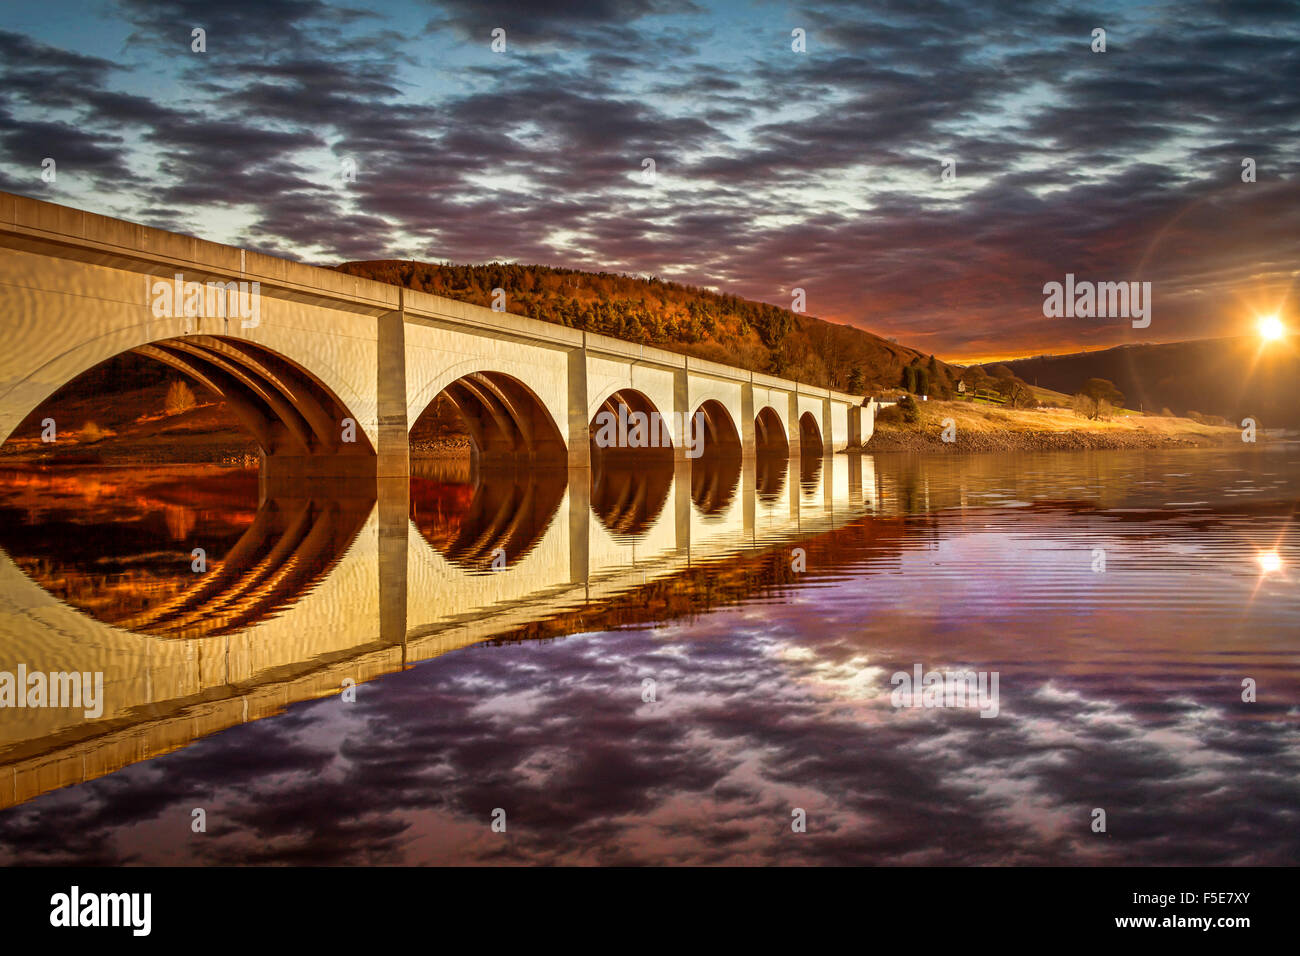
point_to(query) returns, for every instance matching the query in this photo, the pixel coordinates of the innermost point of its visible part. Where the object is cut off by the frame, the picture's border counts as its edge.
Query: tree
(179, 398)
(907, 405)
(940, 384)
(1101, 390)
(1019, 396)
(857, 380)
(1085, 406)
(915, 378)
(975, 378)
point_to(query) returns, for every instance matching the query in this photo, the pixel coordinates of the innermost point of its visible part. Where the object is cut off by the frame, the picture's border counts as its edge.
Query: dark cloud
(775, 169)
(552, 20)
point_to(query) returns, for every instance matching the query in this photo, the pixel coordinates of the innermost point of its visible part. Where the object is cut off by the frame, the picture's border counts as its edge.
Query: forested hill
(676, 317)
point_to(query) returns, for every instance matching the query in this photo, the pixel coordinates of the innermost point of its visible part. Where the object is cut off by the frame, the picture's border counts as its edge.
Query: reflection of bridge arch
(769, 433)
(505, 418)
(502, 517)
(714, 480)
(770, 474)
(627, 497)
(810, 469)
(289, 548)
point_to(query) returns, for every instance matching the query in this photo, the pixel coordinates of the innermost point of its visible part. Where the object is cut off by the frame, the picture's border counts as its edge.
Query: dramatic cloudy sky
(775, 169)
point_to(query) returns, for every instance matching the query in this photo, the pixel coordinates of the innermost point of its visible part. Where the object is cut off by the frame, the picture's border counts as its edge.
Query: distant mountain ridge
(1234, 377)
(680, 318)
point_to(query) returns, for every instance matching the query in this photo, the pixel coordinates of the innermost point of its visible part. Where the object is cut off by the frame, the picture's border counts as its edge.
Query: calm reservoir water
(661, 665)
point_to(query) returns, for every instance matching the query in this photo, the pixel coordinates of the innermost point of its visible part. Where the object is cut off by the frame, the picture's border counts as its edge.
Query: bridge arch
(627, 421)
(810, 433)
(769, 433)
(297, 420)
(59, 336)
(721, 437)
(505, 418)
(286, 409)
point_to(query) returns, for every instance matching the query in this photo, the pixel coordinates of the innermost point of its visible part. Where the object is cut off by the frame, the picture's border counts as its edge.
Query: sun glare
(1271, 328)
(1270, 562)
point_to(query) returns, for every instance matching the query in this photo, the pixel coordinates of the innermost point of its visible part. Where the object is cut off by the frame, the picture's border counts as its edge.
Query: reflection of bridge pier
(681, 499)
(394, 509)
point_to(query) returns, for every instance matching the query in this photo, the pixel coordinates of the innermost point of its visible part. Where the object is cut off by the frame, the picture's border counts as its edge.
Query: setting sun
(1271, 328)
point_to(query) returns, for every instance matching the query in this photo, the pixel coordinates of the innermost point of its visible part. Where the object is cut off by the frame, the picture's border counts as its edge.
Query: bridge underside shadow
(301, 428)
(507, 424)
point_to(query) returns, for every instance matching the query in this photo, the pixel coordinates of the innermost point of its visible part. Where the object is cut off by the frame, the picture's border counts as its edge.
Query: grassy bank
(991, 428)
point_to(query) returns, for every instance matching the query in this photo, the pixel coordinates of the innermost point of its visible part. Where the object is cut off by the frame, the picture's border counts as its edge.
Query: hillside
(990, 428)
(1231, 377)
(679, 318)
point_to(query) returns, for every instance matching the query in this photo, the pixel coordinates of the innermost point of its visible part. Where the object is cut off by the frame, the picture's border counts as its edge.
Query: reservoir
(660, 665)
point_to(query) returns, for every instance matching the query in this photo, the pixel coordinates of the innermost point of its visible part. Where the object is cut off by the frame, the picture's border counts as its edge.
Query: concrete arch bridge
(329, 371)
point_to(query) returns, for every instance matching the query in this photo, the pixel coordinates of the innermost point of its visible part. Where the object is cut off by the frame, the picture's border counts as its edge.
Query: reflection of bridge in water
(329, 587)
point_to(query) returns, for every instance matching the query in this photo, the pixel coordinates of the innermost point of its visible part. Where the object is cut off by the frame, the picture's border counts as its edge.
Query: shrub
(180, 398)
(907, 406)
(1218, 420)
(889, 415)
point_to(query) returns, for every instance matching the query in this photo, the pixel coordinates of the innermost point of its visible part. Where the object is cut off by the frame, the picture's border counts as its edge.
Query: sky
(326, 132)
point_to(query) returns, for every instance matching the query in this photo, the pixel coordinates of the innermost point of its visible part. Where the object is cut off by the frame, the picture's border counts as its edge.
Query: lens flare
(1270, 562)
(1271, 328)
